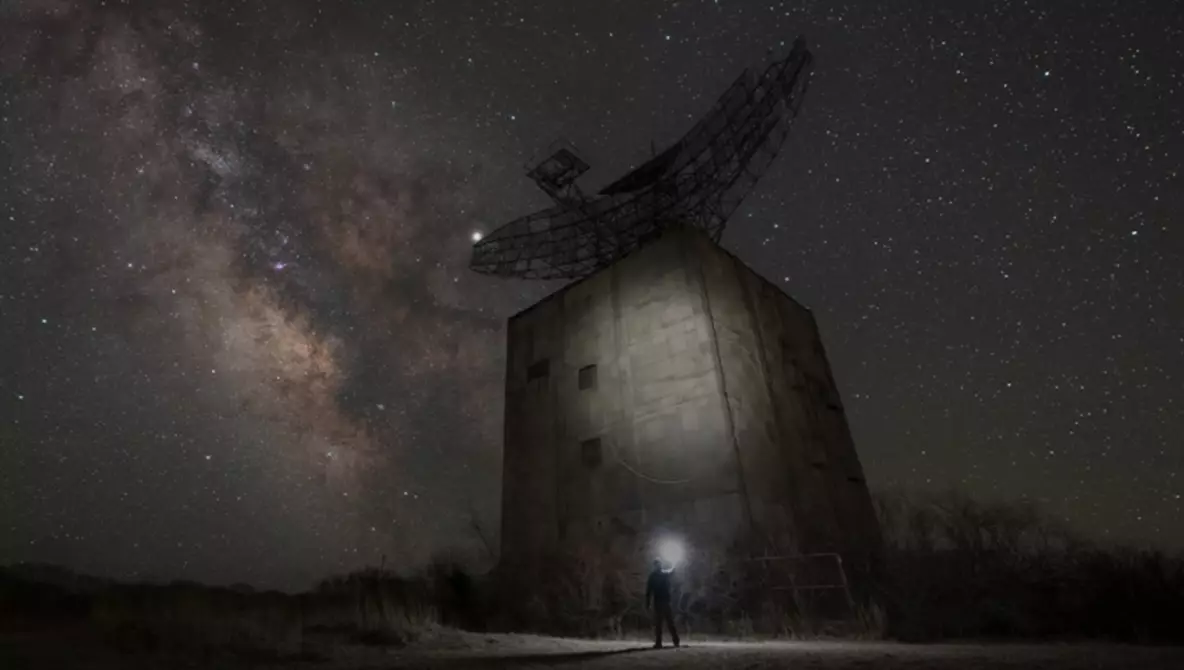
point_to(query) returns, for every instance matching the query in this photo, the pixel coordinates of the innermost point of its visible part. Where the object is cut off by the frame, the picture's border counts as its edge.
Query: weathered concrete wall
(804, 477)
(654, 406)
(705, 407)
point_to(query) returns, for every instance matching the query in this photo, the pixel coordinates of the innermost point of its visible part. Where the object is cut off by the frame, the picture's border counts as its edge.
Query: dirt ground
(528, 651)
(462, 650)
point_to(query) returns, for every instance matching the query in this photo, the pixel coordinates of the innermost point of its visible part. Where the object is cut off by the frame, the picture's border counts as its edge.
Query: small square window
(587, 377)
(538, 369)
(590, 452)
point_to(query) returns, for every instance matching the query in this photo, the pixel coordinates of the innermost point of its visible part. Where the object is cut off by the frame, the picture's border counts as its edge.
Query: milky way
(261, 279)
(239, 342)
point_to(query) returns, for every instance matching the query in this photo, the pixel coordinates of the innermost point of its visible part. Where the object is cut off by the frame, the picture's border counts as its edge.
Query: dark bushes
(956, 567)
(952, 568)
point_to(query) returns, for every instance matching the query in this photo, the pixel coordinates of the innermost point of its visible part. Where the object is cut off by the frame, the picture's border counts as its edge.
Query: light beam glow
(671, 552)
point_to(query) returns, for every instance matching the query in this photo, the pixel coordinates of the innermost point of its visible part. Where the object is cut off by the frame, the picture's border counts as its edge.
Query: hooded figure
(657, 589)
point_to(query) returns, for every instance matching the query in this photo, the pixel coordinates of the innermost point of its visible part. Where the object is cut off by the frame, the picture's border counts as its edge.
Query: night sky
(238, 337)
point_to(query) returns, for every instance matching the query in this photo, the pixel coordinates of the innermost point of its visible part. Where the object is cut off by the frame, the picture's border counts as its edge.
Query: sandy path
(538, 653)
(455, 650)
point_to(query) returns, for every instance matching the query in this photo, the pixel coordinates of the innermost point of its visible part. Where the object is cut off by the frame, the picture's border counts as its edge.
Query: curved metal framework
(698, 182)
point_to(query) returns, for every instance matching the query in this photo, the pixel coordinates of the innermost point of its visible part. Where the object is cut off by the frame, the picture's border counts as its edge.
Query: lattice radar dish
(697, 182)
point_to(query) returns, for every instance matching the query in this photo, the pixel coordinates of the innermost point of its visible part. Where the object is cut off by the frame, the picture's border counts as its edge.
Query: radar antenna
(697, 182)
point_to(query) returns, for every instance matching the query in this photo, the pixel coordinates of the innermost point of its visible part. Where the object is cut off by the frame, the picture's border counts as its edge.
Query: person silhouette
(657, 591)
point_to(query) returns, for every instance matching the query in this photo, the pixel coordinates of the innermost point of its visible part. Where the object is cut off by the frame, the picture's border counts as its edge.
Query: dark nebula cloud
(239, 342)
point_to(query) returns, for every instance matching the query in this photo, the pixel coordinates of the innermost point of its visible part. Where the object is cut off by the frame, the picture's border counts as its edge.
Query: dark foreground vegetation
(954, 568)
(959, 568)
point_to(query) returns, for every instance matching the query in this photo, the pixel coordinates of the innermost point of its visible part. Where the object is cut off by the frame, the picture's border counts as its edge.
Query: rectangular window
(587, 377)
(538, 369)
(590, 452)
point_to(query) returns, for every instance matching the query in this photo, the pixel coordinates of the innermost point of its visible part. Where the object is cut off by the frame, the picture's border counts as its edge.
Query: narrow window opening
(590, 452)
(587, 377)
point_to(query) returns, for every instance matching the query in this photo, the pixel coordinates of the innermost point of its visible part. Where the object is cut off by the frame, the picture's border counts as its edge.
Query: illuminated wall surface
(676, 391)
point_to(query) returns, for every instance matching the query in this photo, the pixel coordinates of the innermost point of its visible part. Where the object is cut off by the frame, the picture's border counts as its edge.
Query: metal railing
(803, 579)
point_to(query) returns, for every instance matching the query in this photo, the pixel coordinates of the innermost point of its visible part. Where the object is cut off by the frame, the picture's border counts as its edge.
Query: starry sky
(239, 340)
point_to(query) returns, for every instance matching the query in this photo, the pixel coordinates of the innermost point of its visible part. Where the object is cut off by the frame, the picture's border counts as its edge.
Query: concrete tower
(676, 392)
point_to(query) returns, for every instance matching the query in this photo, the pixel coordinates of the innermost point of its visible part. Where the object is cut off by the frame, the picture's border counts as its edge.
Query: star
(251, 236)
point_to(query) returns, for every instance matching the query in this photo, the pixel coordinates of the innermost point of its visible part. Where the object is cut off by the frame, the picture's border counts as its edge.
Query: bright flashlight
(671, 552)
(477, 236)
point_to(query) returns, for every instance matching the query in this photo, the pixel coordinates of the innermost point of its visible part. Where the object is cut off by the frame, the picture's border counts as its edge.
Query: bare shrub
(375, 605)
(957, 567)
(191, 618)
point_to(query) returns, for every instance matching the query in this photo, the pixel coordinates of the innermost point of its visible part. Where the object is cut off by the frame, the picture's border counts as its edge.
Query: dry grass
(191, 618)
(376, 606)
(952, 568)
(372, 607)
